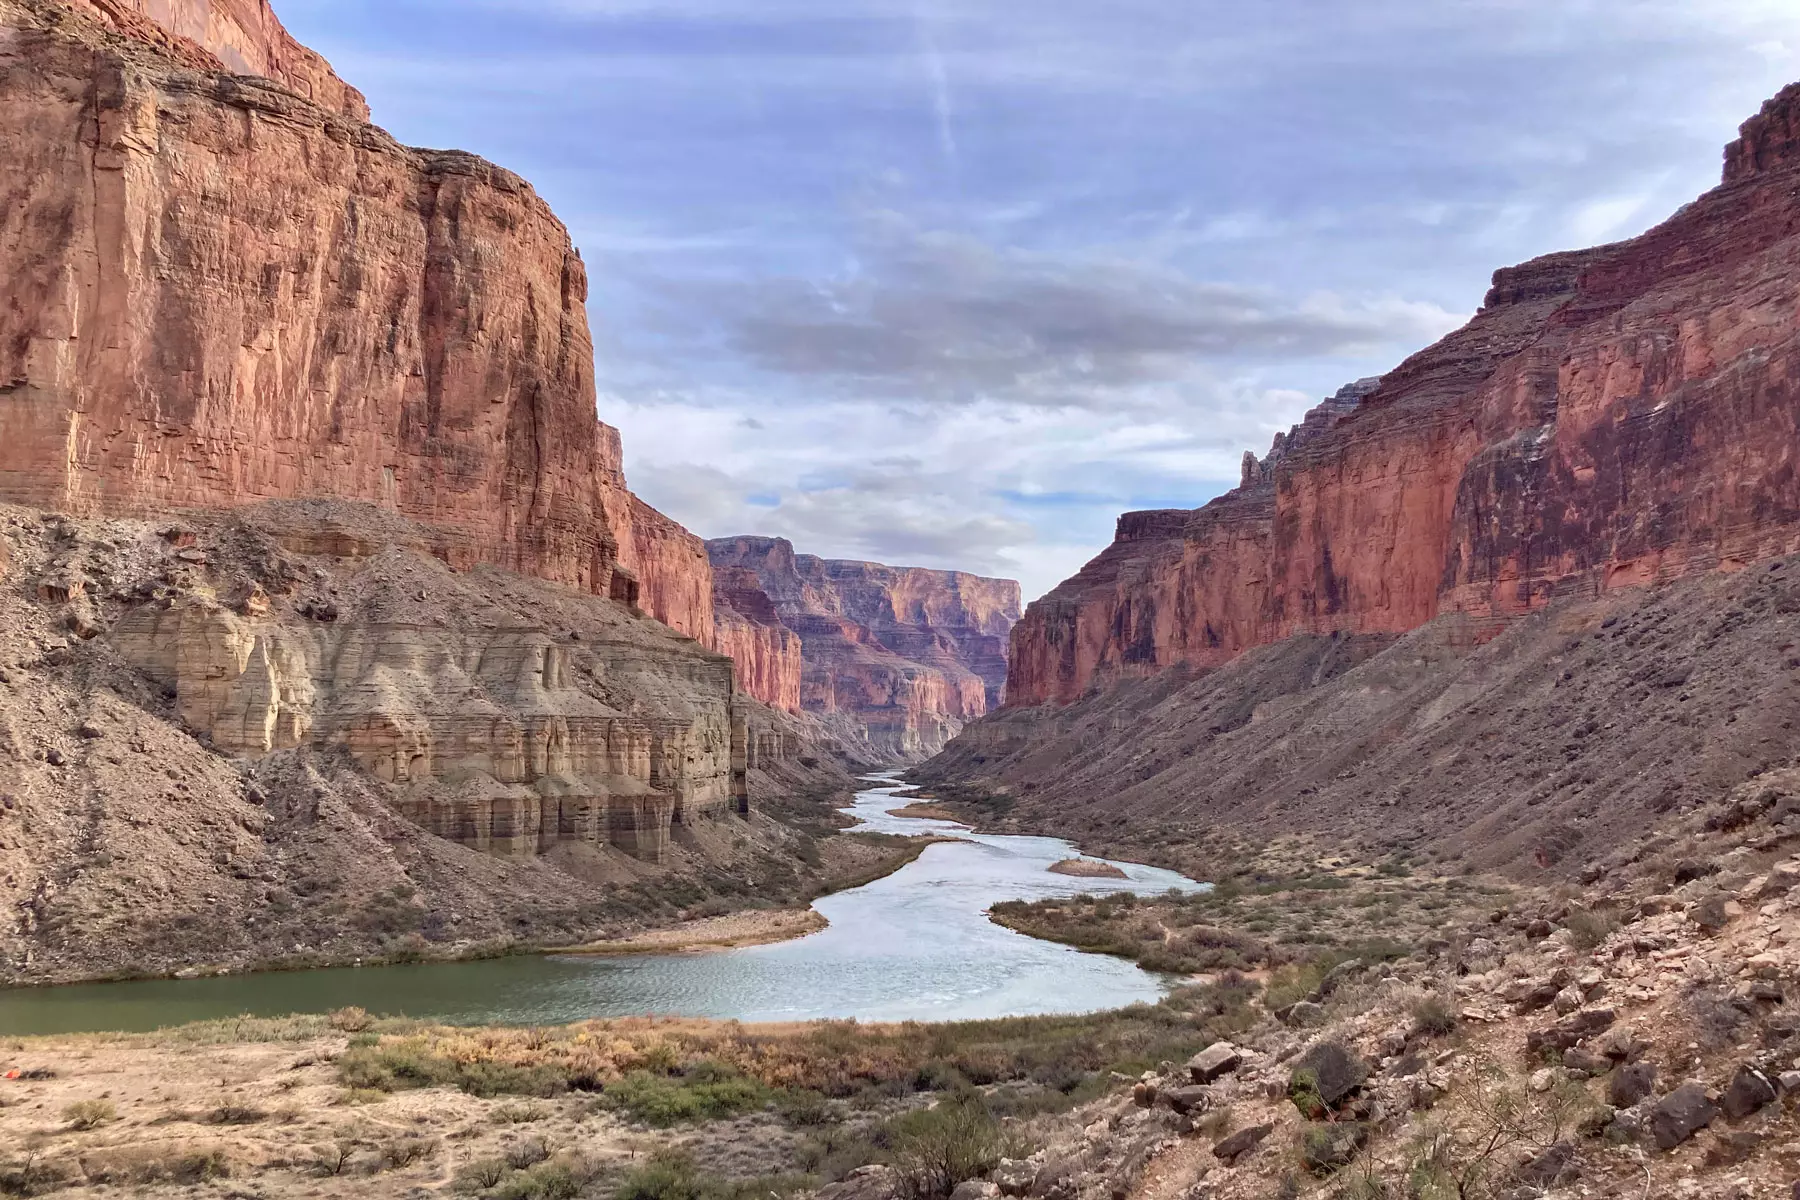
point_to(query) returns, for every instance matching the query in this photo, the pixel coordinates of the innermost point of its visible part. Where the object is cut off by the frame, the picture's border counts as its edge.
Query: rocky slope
(894, 660)
(292, 732)
(1612, 417)
(1508, 604)
(327, 590)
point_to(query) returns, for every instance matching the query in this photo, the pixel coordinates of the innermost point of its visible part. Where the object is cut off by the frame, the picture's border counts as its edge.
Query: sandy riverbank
(729, 932)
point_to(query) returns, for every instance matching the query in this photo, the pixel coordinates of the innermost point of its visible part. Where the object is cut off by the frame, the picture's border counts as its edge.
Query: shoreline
(732, 931)
(705, 935)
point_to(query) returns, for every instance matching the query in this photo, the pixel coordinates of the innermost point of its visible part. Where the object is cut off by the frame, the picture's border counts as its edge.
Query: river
(915, 945)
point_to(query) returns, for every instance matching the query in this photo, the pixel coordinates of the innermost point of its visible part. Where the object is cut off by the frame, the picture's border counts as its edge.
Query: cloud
(942, 317)
(956, 281)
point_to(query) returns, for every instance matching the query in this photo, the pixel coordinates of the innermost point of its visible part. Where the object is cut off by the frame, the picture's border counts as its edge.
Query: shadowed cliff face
(1617, 416)
(894, 660)
(215, 292)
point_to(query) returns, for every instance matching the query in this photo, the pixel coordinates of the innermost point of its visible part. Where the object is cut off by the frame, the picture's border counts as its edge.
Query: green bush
(936, 1148)
(707, 1092)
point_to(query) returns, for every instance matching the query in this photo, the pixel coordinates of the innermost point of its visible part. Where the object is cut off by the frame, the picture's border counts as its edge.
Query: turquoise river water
(916, 945)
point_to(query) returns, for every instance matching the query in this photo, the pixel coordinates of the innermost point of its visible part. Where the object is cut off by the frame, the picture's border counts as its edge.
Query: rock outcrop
(1611, 417)
(894, 660)
(214, 291)
(241, 36)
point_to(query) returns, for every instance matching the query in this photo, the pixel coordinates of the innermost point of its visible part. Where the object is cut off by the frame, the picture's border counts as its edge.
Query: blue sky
(954, 282)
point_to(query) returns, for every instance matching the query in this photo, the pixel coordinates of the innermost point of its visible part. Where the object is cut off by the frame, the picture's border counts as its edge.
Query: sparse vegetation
(90, 1114)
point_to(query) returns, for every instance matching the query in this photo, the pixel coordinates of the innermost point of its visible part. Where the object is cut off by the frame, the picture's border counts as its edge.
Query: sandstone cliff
(214, 292)
(894, 660)
(242, 36)
(1617, 416)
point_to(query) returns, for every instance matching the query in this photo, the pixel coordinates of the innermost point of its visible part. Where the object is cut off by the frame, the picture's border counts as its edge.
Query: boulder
(1554, 1167)
(1570, 1031)
(1329, 1071)
(1710, 914)
(1190, 1098)
(1014, 1176)
(1630, 1084)
(1586, 1062)
(877, 1182)
(975, 1189)
(1302, 1014)
(1681, 1114)
(1748, 1091)
(1241, 1143)
(1538, 995)
(1220, 1058)
(1336, 978)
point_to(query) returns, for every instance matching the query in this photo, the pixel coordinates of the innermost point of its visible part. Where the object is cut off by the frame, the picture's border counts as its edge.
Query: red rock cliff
(243, 36)
(1615, 416)
(214, 291)
(896, 659)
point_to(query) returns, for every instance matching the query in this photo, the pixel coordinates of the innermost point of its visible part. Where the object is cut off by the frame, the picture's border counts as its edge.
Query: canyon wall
(214, 291)
(241, 36)
(1611, 417)
(894, 660)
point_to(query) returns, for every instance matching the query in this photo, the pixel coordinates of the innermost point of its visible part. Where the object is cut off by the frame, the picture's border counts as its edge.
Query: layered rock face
(895, 660)
(509, 715)
(214, 291)
(1617, 416)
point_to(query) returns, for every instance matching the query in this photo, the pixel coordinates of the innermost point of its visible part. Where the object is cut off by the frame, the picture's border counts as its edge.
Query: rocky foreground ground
(1636, 1037)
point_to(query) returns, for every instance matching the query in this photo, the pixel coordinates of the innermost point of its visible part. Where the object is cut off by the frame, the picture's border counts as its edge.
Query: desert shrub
(334, 1158)
(483, 1173)
(32, 1176)
(935, 1149)
(520, 1114)
(528, 1153)
(707, 1092)
(90, 1114)
(141, 1165)
(804, 1108)
(1588, 928)
(402, 1152)
(351, 1020)
(235, 1113)
(1434, 1016)
(561, 1178)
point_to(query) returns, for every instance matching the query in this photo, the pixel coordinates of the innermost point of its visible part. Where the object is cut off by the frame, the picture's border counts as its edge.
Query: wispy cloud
(959, 279)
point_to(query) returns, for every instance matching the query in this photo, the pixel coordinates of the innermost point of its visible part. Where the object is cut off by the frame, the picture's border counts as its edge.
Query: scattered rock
(1302, 1014)
(1630, 1084)
(1220, 1058)
(865, 1183)
(1554, 1167)
(1192, 1098)
(1570, 1031)
(975, 1189)
(1336, 978)
(1748, 1091)
(1681, 1114)
(1586, 1062)
(1710, 914)
(1241, 1143)
(1329, 1071)
(1014, 1176)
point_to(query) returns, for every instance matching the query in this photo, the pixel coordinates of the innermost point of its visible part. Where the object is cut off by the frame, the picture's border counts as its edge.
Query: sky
(953, 283)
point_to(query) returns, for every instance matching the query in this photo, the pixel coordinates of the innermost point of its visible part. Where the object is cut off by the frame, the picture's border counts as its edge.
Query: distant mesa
(893, 660)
